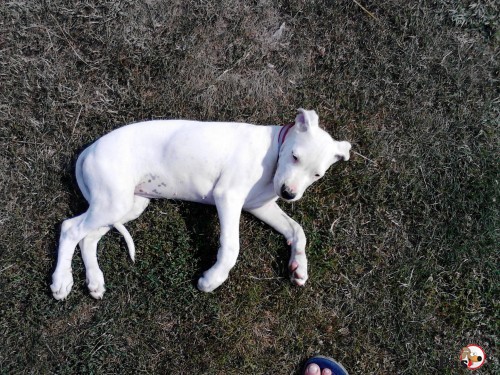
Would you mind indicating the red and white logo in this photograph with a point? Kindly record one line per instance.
(472, 357)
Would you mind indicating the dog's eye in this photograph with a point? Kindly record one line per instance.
(317, 175)
(296, 159)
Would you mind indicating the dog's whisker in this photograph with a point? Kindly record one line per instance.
(364, 157)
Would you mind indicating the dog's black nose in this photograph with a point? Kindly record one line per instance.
(286, 194)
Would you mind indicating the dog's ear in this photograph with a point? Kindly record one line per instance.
(341, 151)
(306, 120)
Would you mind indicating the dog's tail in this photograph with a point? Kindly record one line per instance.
(128, 239)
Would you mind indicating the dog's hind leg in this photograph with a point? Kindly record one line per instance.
(101, 213)
(94, 275)
(62, 278)
(88, 246)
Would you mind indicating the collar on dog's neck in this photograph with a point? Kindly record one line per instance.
(282, 134)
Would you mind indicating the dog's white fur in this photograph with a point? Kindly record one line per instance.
(234, 166)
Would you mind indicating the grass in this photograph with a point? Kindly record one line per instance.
(402, 239)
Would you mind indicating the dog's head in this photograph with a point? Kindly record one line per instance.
(305, 155)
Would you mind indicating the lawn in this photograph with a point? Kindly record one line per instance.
(402, 239)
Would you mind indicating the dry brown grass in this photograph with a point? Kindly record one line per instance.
(402, 239)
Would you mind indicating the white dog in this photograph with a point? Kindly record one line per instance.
(234, 166)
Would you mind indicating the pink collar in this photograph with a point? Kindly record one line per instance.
(283, 133)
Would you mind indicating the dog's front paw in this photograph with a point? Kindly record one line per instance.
(95, 283)
(204, 285)
(61, 284)
(210, 281)
(298, 270)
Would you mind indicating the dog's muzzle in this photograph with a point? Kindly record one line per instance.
(286, 193)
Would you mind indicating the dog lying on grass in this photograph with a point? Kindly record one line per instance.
(233, 166)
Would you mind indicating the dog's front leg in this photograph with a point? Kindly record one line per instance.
(274, 216)
(229, 209)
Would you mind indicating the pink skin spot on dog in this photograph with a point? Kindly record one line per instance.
(293, 266)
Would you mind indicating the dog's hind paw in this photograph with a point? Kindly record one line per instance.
(61, 285)
(95, 283)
